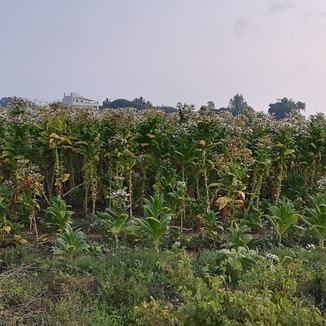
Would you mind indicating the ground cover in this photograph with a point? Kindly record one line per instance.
(136, 287)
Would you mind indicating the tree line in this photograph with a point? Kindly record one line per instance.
(237, 104)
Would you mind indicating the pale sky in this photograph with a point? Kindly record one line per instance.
(167, 51)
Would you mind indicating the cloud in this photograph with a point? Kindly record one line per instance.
(280, 6)
(322, 15)
(244, 27)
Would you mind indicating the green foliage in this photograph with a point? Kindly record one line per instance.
(135, 287)
(210, 226)
(285, 106)
(70, 243)
(315, 216)
(294, 187)
(6, 192)
(115, 218)
(116, 221)
(282, 217)
(57, 215)
(157, 219)
(267, 294)
(154, 208)
(137, 103)
(237, 236)
(231, 263)
(237, 104)
(5, 101)
(119, 158)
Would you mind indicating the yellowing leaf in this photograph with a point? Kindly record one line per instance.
(65, 177)
(223, 202)
(7, 229)
(19, 239)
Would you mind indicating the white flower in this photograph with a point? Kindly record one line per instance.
(119, 194)
(310, 247)
(181, 184)
(177, 243)
(271, 256)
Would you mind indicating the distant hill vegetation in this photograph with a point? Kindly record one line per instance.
(5, 101)
(137, 103)
(280, 109)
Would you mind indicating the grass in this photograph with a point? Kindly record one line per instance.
(83, 291)
(37, 288)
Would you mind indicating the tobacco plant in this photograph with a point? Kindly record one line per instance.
(27, 189)
(315, 216)
(54, 138)
(156, 219)
(282, 217)
(57, 215)
(89, 146)
(186, 154)
(116, 221)
(70, 243)
(261, 168)
(238, 236)
(283, 152)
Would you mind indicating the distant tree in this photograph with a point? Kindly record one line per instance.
(142, 103)
(5, 101)
(121, 103)
(284, 106)
(15, 102)
(167, 109)
(211, 105)
(237, 104)
(106, 104)
(138, 103)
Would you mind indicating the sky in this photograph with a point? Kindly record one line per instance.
(167, 51)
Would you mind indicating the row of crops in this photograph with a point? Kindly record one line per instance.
(94, 157)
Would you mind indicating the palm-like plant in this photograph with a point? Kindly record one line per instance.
(71, 242)
(316, 216)
(157, 219)
(282, 217)
(116, 220)
(57, 215)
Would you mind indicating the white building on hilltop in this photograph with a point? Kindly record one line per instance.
(74, 99)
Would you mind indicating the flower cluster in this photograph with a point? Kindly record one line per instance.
(270, 256)
(310, 247)
(117, 140)
(120, 194)
(321, 183)
(182, 184)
